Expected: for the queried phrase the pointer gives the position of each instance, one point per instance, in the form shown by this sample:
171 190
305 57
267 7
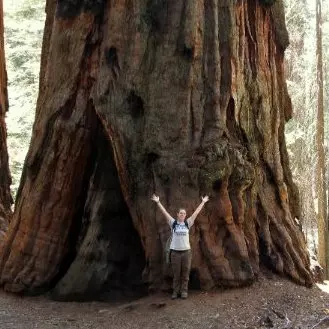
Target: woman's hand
205 199
155 198
197 210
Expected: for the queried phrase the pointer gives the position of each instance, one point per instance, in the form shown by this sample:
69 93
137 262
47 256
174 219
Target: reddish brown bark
5 180
180 98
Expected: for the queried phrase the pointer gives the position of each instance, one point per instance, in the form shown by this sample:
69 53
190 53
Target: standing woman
180 249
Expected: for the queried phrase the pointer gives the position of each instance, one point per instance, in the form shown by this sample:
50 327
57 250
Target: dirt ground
269 303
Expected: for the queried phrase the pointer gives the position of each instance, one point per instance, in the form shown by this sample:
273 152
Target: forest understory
271 302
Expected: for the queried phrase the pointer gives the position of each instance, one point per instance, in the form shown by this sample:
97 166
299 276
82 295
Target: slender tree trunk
320 179
181 98
5 180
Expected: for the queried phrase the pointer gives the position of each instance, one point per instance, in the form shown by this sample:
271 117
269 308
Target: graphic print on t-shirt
181 230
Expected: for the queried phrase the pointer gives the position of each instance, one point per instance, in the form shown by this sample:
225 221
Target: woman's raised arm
197 210
156 199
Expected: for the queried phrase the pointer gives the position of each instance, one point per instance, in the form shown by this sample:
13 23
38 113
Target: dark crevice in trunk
136 105
35 162
153 15
217 185
110 259
184 46
194 282
264 254
236 133
267 256
251 38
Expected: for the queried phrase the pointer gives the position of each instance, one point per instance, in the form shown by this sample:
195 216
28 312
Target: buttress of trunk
5 179
181 98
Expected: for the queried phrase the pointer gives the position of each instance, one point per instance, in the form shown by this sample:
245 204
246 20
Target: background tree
321 181
301 132
300 72
24 24
178 98
5 197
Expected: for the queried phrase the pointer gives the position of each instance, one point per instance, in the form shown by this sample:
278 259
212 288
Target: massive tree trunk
5 180
181 98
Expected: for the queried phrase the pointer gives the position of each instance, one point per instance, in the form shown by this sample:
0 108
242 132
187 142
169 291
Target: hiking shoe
174 296
184 295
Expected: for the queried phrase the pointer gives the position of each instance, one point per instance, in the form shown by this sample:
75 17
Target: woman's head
181 215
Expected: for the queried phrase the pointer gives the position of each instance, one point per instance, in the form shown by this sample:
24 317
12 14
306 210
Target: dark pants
181 265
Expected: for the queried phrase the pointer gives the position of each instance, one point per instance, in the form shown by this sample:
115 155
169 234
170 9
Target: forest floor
272 302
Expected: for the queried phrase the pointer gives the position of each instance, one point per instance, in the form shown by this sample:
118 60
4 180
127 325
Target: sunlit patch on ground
324 286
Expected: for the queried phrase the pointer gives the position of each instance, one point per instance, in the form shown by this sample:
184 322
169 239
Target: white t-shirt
180 236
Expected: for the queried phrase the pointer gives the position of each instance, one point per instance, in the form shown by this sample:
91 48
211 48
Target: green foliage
19 58
27 13
29 9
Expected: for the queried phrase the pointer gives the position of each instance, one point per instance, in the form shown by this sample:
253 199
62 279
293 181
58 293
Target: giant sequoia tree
5 180
177 97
